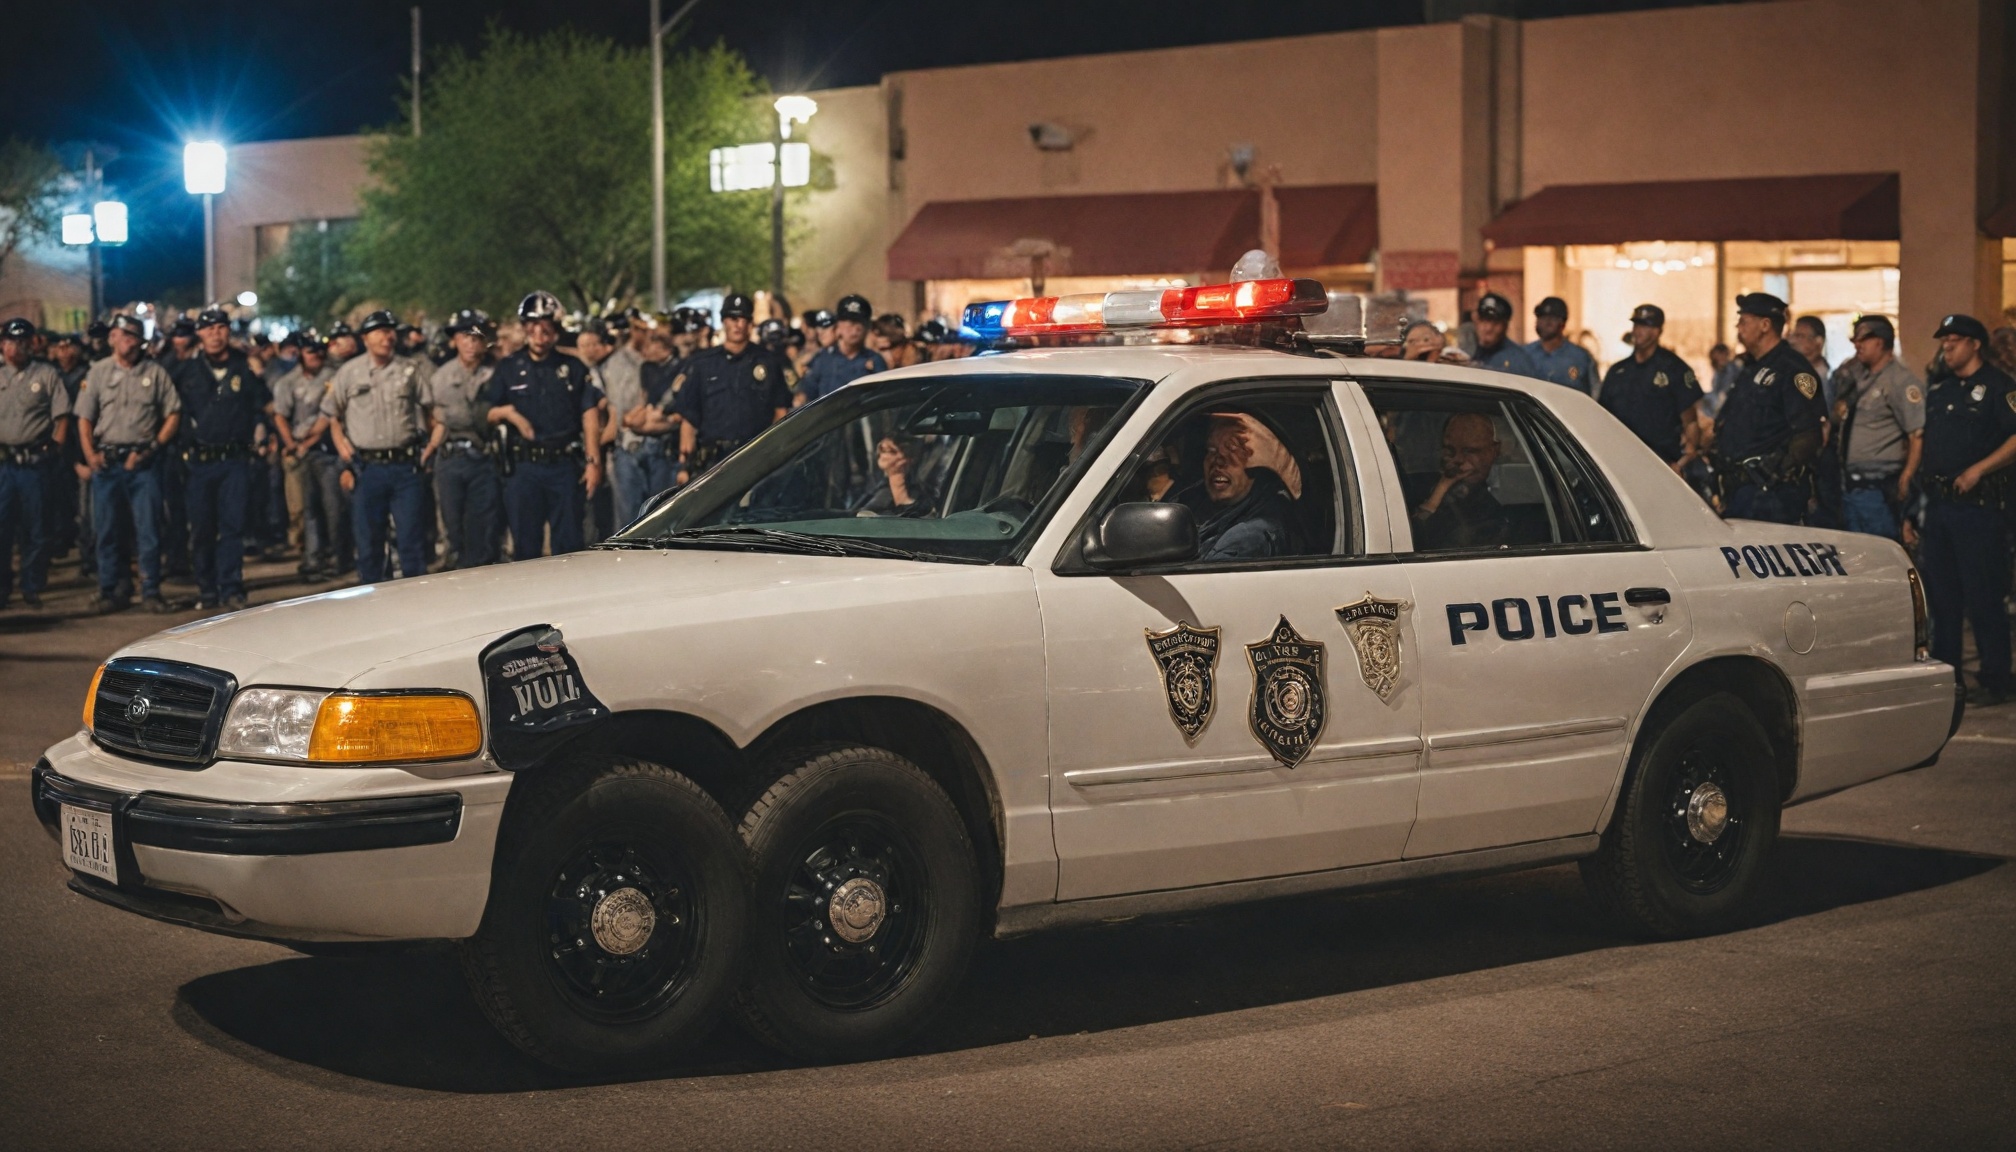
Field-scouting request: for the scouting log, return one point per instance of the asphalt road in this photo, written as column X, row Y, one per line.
column 1870, row 1005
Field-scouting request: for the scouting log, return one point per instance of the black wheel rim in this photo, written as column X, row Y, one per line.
column 1704, row 867
column 638, row 963
column 850, row 853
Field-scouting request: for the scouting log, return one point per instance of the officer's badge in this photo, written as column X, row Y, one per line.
column 1916, row 395
column 1690, row 379
column 1979, row 391
column 1574, row 373
column 34, row 387
column 563, row 371
column 1807, row 383
column 1766, row 377
column 1659, row 380
column 790, row 377
column 1188, row 659
column 759, row 372
column 234, row 383
column 1287, row 711
column 1374, row 627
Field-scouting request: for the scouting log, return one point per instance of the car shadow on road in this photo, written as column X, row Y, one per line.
column 404, row 1018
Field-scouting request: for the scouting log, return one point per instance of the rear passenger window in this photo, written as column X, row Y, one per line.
column 1487, row 471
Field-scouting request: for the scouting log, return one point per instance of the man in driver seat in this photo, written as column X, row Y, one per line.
column 1461, row 512
column 1242, row 514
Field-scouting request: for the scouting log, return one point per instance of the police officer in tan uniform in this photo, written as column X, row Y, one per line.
column 34, row 422
column 314, row 488
column 386, row 432
column 127, row 413
column 465, row 475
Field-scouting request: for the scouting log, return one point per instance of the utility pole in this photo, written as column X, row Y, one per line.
column 777, row 215
column 416, row 70
column 92, row 194
column 658, row 33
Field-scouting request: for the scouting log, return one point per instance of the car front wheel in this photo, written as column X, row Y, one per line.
column 1697, row 819
column 618, row 910
column 866, row 905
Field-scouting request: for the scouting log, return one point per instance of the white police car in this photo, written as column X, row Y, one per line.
column 1006, row 643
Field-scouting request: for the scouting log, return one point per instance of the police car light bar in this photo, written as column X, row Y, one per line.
column 1206, row 305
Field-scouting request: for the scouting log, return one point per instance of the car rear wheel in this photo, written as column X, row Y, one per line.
column 618, row 909
column 1697, row 819
column 866, row 905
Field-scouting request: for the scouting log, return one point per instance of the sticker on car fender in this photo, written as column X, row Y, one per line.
column 536, row 693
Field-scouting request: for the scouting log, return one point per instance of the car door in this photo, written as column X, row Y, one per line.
column 1544, row 626
column 1166, row 772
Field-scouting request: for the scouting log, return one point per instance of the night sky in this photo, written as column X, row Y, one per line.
column 142, row 77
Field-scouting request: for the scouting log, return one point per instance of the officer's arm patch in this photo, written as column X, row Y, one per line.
column 2011, row 398
column 1807, row 383
column 1914, row 394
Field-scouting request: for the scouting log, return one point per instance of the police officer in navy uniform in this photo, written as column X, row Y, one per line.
column 1655, row 393
column 224, row 402
column 1495, row 350
column 728, row 393
column 1555, row 357
column 845, row 360
column 551, row 400
column 1769, row 429
column 1970, row 441
column 34, row 423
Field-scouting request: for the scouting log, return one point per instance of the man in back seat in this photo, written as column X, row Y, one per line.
column 1461, row 512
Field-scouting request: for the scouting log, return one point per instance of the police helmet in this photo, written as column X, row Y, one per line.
column 212, row 316
column 405, row 332
column 1761, row 304
column 183, row 327
column 1650, row 315
column 128, row 324
column 820, row 318
column 310, row 340
column 341, row 330
column 853, row 308
column 1552, row 306
column 795, row 339
column 541, row 305
column 1494, row 307
column 17, row 329
column 738, row 306
column 71, row 338
column 382, row 318
column 616, row 322
column 933, row 331
column 98, row 330
column 470, row 320
column 770, row 333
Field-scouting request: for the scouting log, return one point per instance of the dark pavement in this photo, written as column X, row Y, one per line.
column 1869, row 1006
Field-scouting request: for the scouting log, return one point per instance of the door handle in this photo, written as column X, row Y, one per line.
column 1647, row 596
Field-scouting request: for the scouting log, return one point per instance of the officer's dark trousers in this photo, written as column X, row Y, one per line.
column 1963, row 558
column 541, row 496
column 24, row 488
column 218, row 493
column 1785, row 505
column 139, row 493
column 326, row 531
column 398, row 491
column 467, row 486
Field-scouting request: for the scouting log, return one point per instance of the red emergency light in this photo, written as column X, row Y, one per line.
column 1206, row 305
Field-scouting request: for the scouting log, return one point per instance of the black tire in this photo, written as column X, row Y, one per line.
column 866, row 832
column 569, row 968
column 1655, row 873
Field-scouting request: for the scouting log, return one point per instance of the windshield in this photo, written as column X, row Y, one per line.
column 960, row 468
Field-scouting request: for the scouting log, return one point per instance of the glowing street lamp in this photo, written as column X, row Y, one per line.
column 203, row 164
column 77, row 228
column 108, row 219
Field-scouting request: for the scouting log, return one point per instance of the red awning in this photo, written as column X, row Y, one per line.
column 1135, row 233
column 1851, row 207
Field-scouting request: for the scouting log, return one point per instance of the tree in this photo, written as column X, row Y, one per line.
column 534, row 172
column 30, row 181
column 314, row 277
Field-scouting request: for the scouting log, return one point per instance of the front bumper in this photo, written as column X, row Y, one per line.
column 287, row 852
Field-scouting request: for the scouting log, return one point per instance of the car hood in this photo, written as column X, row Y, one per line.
column 328, row 640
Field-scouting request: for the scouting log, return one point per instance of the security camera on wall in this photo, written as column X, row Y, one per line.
column 1049, row 137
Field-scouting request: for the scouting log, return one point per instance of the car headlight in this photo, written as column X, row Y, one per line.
column 271, row 723
column 351, row 729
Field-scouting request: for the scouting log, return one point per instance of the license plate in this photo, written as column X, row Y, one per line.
column 87, row 843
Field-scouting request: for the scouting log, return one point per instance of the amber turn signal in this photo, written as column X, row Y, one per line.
column 91, row 697
column 357, row 729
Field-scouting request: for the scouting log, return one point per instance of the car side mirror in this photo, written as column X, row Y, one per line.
column 1142, row 535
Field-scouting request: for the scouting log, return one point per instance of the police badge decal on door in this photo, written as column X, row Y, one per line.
column 1188, row 659
column 1287, row 710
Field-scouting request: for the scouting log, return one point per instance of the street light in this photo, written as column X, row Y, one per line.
column 108, row 219
column 790, row 110
column 77, row 228
column 203, row 164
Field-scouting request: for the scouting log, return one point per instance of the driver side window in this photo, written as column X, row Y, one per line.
column 1258, row 470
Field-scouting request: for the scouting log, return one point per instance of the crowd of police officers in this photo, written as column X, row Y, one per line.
column 370, row 450
column 1869, row 447
column 181, row 452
